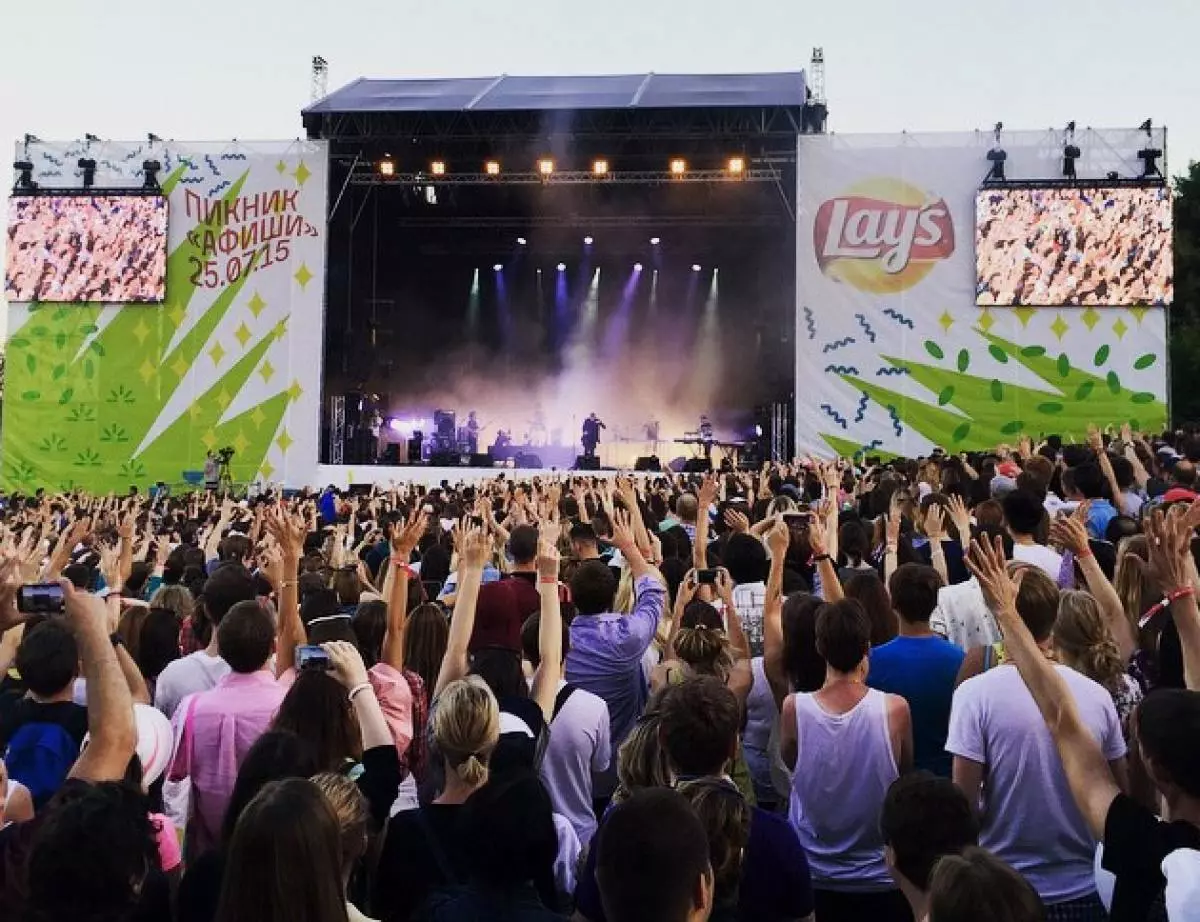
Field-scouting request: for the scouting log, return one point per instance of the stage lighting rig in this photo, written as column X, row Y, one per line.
column 546, row 167
column 150, row 170
column 737, row 166
column 492, row 168
column 152, row 139
column 996, row 157
column 88, row 165
column 387, row 166
column 1070, row 155
column 600, row 167
column 438, row 168
column 1149, row 157
column 24, row 181
column 678, row 166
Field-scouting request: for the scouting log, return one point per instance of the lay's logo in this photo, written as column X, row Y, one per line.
column 882, row 236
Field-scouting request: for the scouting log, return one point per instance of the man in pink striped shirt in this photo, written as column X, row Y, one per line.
column 220, row 725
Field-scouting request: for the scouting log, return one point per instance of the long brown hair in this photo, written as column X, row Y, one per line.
column 1137, row 588
column 284, row 861
column 316, row 709
column 1085, row 642
column 425, row 640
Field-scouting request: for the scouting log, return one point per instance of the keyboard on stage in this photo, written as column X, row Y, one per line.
column 696, row 440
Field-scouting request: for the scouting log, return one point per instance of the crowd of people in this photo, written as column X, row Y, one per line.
column 86, row 248
column 1074, row 246
column 950, row 688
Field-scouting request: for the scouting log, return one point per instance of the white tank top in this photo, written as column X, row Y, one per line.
column 844, row 767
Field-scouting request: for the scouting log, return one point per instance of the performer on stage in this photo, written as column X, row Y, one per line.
column 473, row 432
column 706, row 436
column 591, row 435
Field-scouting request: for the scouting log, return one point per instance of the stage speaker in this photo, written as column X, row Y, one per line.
column 585, row 463
column 527, row 461
column 697, row 466
column 414, row 451
column 648, row 463
column 483, row 460
column 445, row 459
column 391, row 454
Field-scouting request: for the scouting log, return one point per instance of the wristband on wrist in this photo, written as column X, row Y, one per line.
column 821, row 558
column 1085, row 554
column 365, row 686
column 1183, row 592
column 551, row 580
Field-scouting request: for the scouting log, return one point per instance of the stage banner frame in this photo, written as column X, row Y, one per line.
column 103, row 397
column 893, row 356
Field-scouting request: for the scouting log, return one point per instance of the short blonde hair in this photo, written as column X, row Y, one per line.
column 466, row 728
column 352, row 812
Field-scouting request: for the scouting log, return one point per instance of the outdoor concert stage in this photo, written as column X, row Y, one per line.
column 343, row 475
column 538, row 249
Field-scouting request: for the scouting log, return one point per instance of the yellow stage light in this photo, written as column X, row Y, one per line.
column 387, row 166
column 678, row 166
column 492, row 168
column 545, row 166
column 438, row 168
column 600, row 167
column 737, row 166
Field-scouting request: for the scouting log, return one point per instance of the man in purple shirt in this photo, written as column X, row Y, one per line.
column 607, row 648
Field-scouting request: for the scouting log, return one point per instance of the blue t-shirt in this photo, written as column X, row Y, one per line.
column 922, row 670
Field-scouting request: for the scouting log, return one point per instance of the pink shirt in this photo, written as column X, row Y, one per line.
column 395, row 700
column 220, row 726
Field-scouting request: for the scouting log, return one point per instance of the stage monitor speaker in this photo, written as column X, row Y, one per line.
column 391, row 454
column 527, row 461
column 697, row 466
column 648, row 463
column 414, row 451
column 586, row 463
column 445, row 459
column 483, row 460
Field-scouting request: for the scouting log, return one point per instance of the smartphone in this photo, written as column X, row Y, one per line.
column 40, row 599
column 797, row 518
column 477, row 521
column 311, row 656
column 706, row 577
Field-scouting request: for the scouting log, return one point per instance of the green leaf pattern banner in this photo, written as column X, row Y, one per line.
column 107, row 396
column 894, row 357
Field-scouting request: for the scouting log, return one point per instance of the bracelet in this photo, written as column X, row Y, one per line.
column 365, row 686
column 1085, row 554
column 1183, row 592
column 821, row 558
column 552, row 580
column 284, row 583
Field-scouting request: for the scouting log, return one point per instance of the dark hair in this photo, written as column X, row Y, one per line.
column 651, row 851
column 725, row 815
column 925, row 817
column 843, row 635
column 510, row 834
column 593, row 587
column 425, row 640
column 523, row 544
column 48, row 658
column 1089, row 480
column 90, row 854
column 854, row 541
column 501, row 669
column 802, row 664
column 234, row 548
column 227, row 585
column 1023, row 512
column 317, row 709
column 158, row 641
column 139, row 574
column 914, row 591
column 370, row 629
column 976, row 886
column 80, row 575
column 1037, row 602
column 529, row 639
column 867, row 590
column 1168, row 729
column 245, row 637
column 582, row 531
column 284, row 862
column 275, row 755
column 746, row 559
column 700, row 724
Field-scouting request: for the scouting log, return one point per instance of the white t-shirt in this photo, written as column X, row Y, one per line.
column 579, row 745
column 1044, row 558
column 962, row 616
column 1029, row 816
column 196, row 672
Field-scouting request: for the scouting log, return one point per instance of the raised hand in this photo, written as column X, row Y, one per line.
column 817, row 536
column 623, row 538
column 475, row 547
column 548, row 560
column 1070, row 532
column 737, row 521
column 346, row 664
column 707, row 494
column 988, row 565
column 1168, row 545
column 961, row 518
column 404, row 543
column 935, row 522
column 288, row 529
column 778, row 538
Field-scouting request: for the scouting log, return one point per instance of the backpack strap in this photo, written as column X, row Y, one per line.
column 989, row 654
column 561, row 698
column 436, row 850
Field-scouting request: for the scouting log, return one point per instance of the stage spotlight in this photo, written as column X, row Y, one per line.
column 88, row 165
column 24, row 181
column 521, row 241
column 637, row 267
column 497, row 268
column 492, row 168
column 678, row 166
column 695, row 267
column 1070, row 155
column 546, row 166
column 588, row 241
column 1149, row 157
column 758, row 430
column 600, row 167
column 438, row 168
column 150, row 170
column 387, row 166
column 996, row 157
column 737, row 166
column 655, row 241
column 562, row 267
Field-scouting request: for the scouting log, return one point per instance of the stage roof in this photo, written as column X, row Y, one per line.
column 577, row 93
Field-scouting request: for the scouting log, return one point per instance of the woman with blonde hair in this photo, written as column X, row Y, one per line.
column 424, row 849
column 641, row 760
column 354, row 821
column 1083, row 641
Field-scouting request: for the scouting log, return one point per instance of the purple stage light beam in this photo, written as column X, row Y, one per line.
column 617, row 331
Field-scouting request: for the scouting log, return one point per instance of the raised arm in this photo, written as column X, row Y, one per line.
column 289, row 531
column 1088, row 773
column 475, row 544
column 831, row 586
column 935, row 530
column 550, row 628
column 777, row 543
column 1169, row 543
column 704, row 499
column 403, row 545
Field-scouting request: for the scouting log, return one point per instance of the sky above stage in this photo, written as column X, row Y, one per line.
column 240, row 68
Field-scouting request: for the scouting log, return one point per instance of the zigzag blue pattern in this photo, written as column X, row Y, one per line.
column 52, row 173
column 837, row 417
column 232, row 156
column 891, row 371
column 212, row 165
column 224, row 184
column 46, row 155
column 862, row 408
column 837, row 344
column 194, row 180
column 862, row 322
column 896, row 425
column 841, row 369
column 810, row 323
column 898, row 317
